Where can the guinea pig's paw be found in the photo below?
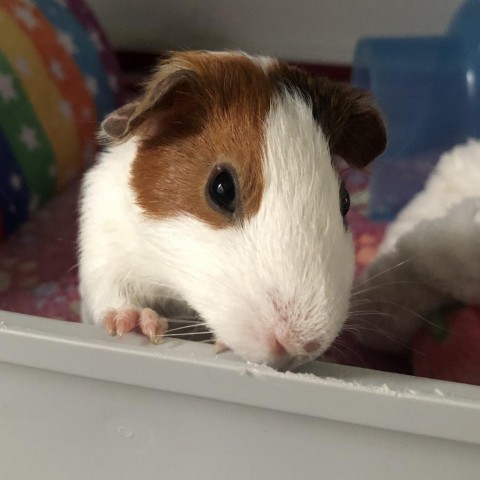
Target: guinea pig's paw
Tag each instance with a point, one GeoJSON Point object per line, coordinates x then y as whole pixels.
{"type": "Point", "coordinates": [123, 320]}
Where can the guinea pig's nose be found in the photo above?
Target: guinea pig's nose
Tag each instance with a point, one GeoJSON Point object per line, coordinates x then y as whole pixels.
{"type": "Point", "coordinates": [312, 346]}
{"type": "Point", "coordinates": [280, 346]}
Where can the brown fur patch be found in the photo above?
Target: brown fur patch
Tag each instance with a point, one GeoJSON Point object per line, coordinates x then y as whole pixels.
{"type": "Point", "coordinates": [215, 117]}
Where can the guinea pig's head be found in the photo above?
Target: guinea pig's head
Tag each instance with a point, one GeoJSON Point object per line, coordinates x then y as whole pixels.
{"type": "Point", "coordinates": [243, 209]}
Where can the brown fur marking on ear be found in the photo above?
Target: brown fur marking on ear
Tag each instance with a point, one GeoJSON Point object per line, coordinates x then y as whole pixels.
{"type": "Point", "coordinates": [219, 119]}
{"type": "Point", "coordinates": [353, 127]}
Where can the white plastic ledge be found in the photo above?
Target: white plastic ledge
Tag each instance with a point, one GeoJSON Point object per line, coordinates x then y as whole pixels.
{"type": "Point", "coordinates": [75, 403]}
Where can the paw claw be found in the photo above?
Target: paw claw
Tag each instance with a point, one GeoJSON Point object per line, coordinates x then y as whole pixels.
{"type": "Point", "coordinates": [220, 347]}
{"type": "Point", "coordinates": [153, 325]}
{"type": "Point", "coordinates": [150, 333]}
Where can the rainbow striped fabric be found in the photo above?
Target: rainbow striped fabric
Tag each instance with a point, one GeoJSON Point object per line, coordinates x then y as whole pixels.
{"type": "Point", "coordinates": [58, 79]}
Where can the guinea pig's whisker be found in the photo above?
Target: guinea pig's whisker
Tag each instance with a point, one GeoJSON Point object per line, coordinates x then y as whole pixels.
{"type": "Point", "coordinates": [358, 302]}
{"type": "Point", "coordinates": [187, 326]}
{"type": "Point", "coordinates": [183, 334]}
{"type": "Point", "coordinates": [365, 312]}
{"type": "Point", "coordinates": [351, 328]}
{"type": "Point", "coordinates": [400, 264]}
{"type": "Point", "coordinates": [358, 314]}
{"type": "Point", "coordinates": [386, 284]}
{"type": "Point", "coordinates": [400, 282]}
{"type": "Point", "coordinates": [408, 310]}
{"type": "Point", "coordinates": [73, 267]}
{"type": "Point", "coordinates": [370, 327]}
{"type": "Point", "coordinates": [342, 347]}
{"type": "Point", "coordinates": [183, 319]}
{"type": "Point", "coordinates": [393, 267]}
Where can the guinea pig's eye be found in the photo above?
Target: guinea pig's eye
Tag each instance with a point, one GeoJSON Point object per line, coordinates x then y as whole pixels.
{"type": "Point", "coordinates": [221, 189]}
{"type": "Point", "coordinates": [344, 200]}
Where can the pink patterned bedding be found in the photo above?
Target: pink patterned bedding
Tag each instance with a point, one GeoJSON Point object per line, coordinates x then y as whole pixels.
{"type": "Point", "coordinates": [38, 263]}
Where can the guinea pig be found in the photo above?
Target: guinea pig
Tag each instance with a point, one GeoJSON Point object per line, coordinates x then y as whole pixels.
{"type": "Point", "coordinates": [219, 194]}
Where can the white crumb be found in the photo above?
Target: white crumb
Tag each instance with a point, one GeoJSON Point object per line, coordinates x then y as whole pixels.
{"type": "Point", "coordinates": [251, 370]}
{"type": "Point", "coordinates": [380, 389]}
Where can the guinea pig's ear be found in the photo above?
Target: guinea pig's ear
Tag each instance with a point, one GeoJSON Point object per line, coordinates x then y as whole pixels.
{"type": "Point", "coordinates": [116, 124]}
{"type": "Point", "coordinates": [168, 95]}
{"type": "Point", "coordinates": [353, 126]}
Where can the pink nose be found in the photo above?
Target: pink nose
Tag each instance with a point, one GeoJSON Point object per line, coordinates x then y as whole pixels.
{"type": "Point", "coordinates": [312, 346]}
{"type": "Point", "coordinates": [279, 348]}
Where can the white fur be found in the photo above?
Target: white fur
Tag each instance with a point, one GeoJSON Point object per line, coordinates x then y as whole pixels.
{"type": "Point", "coordinates": [262, 61]}
{"type": "Point", "coordinates": [286, 272]}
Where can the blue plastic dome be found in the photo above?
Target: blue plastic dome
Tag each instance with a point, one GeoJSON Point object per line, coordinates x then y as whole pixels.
{"type": "Point", "coordinates": [428, 90]}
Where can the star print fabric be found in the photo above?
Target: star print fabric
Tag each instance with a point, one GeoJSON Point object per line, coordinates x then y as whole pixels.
{"type": "Point", "coordinates": [58, 79]}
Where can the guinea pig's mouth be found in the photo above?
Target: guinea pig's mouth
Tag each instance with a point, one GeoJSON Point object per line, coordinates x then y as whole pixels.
{"type": "Point", "coordinates": [291, 363]}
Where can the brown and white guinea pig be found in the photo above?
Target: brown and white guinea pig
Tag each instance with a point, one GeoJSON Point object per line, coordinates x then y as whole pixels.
{"type": "Point", "coordinates": [219, 194]}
